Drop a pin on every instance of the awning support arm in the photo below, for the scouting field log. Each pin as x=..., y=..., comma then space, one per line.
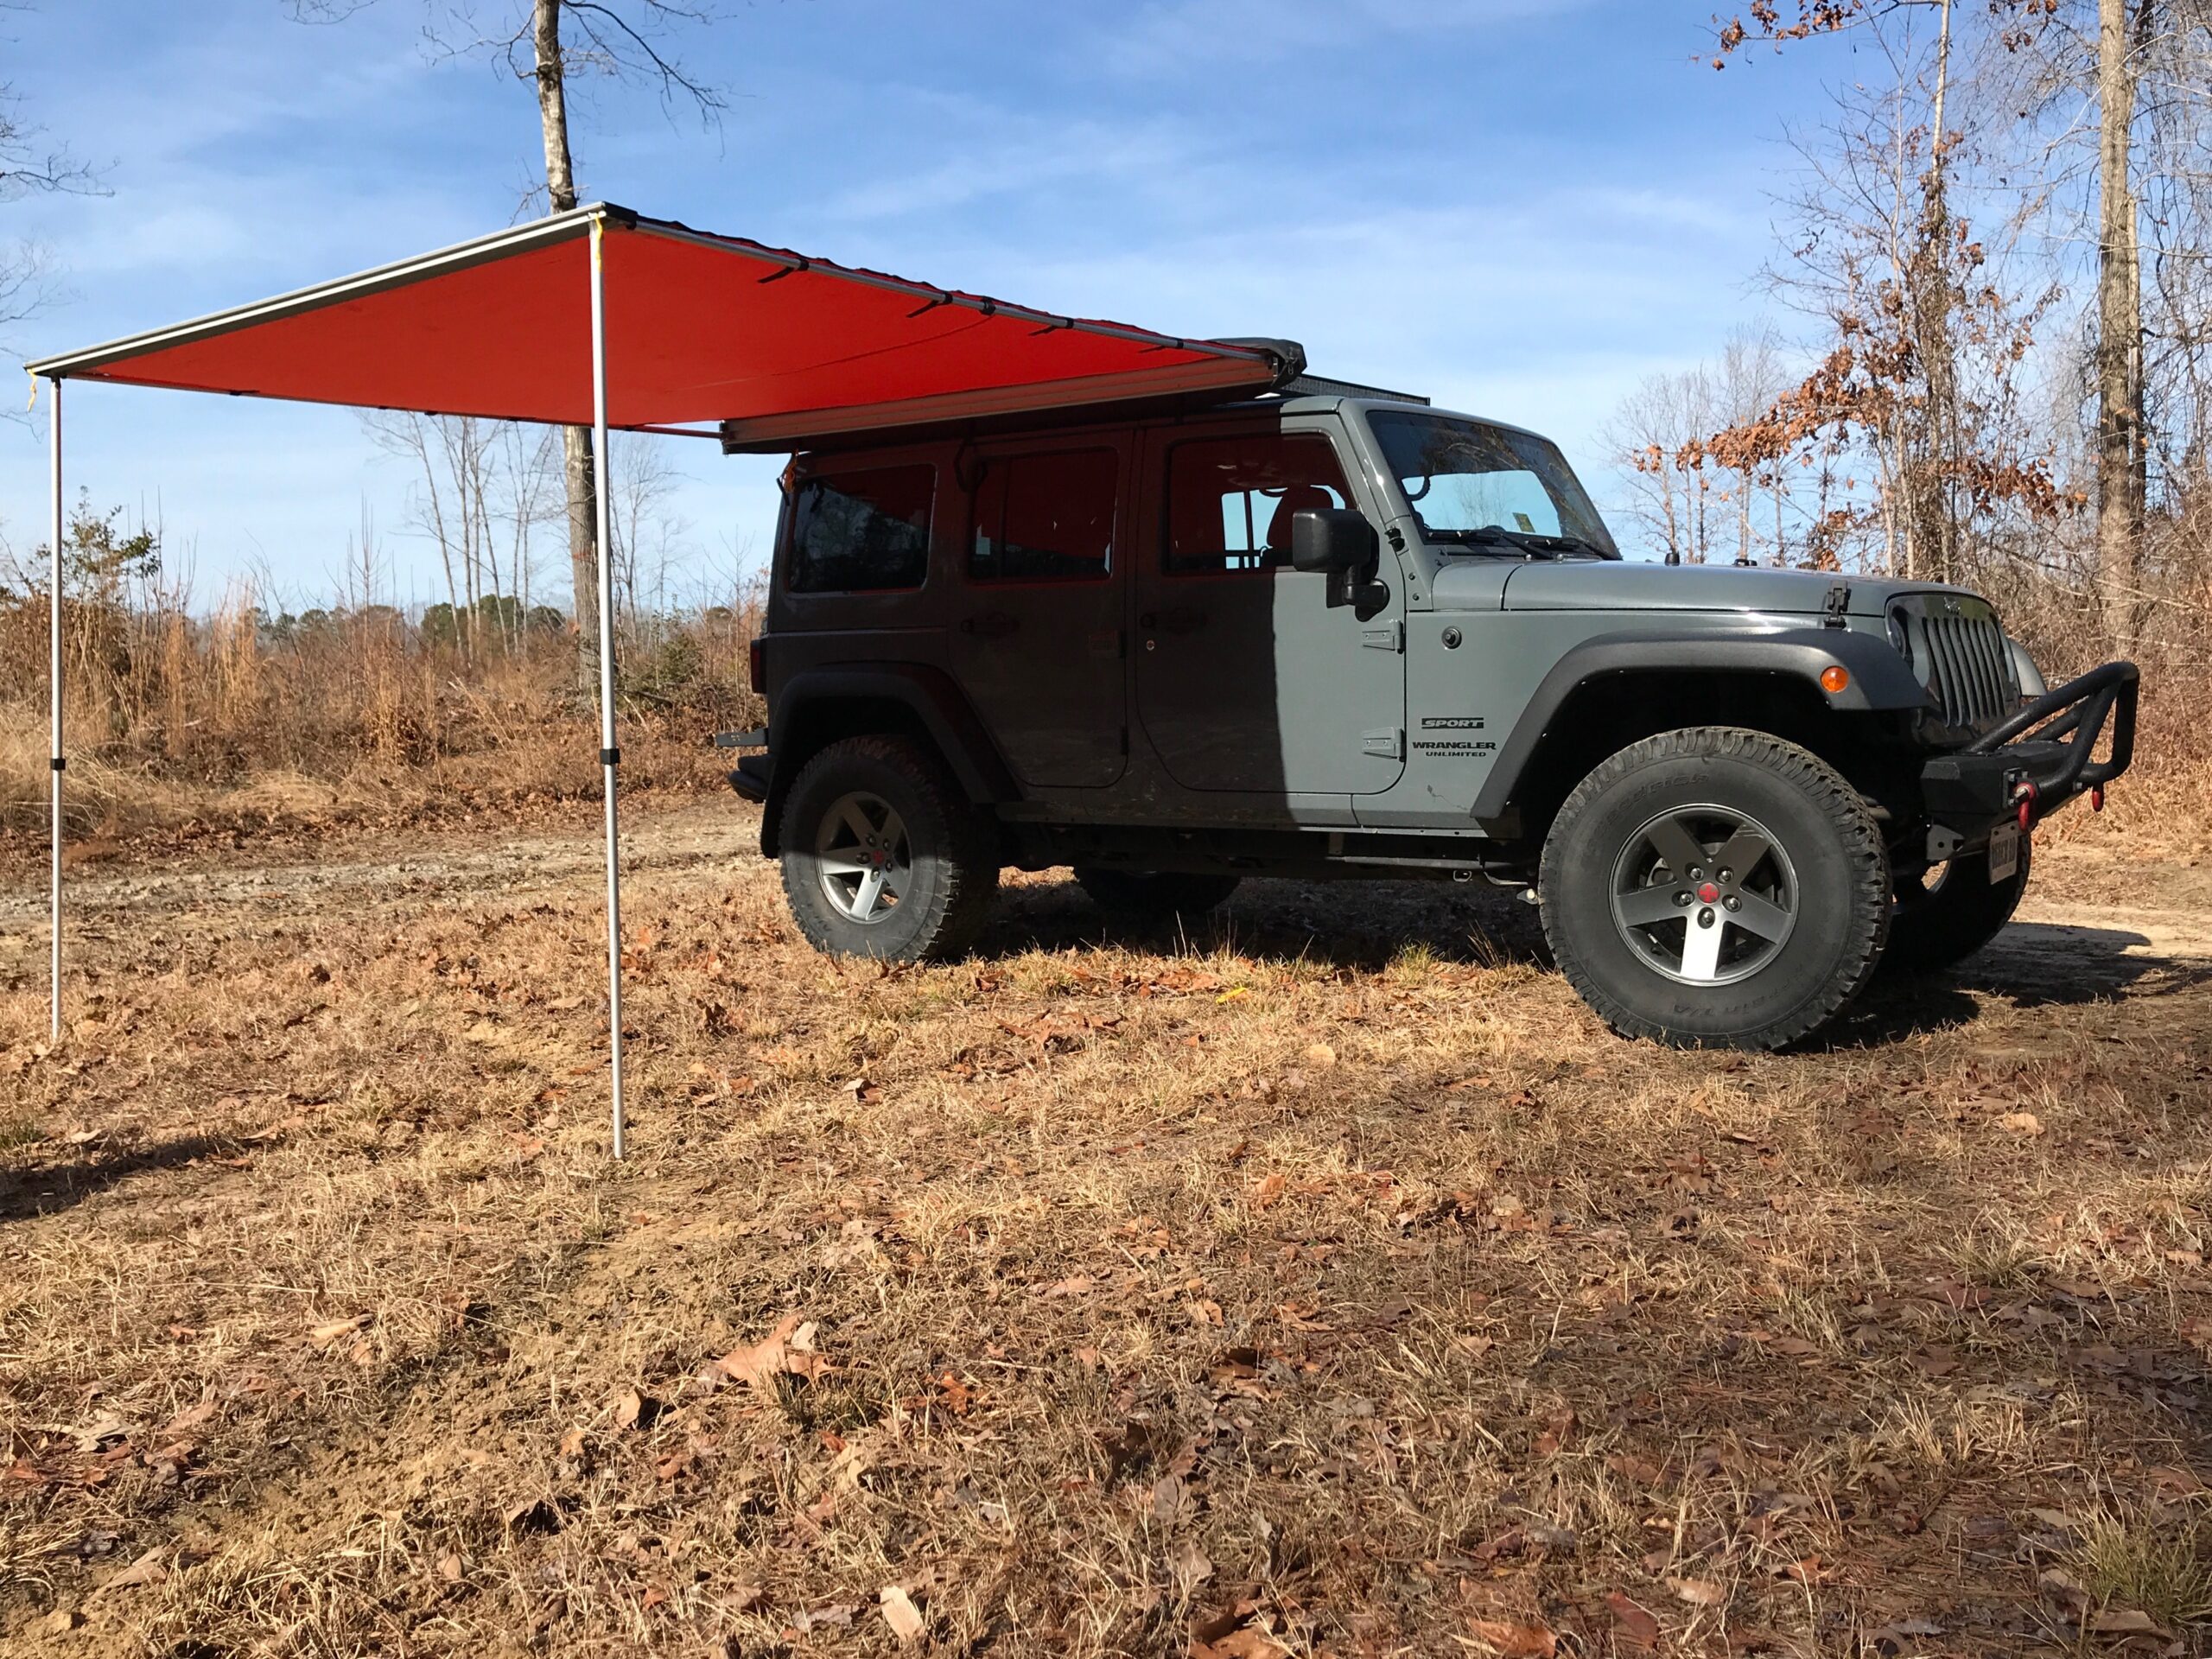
x=55, y=759
x=608, y=754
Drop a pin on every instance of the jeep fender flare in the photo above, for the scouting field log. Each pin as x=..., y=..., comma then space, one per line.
x=1880, y=679
x=804, y=716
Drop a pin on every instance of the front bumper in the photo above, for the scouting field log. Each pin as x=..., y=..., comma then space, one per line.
x=2034, y=763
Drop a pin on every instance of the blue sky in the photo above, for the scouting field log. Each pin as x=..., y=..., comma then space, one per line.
x=1519, y=206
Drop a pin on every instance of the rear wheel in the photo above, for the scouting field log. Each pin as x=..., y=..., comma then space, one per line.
x=1716, y=887
x=1947, y=915
x=883, y=857
x=1154, y=897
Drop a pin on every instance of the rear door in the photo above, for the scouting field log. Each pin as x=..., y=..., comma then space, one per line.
x=1247, y=680
x=1037, y=632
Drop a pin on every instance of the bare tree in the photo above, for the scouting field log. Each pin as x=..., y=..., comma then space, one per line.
x=480, y=486
x=548, y=43
x=30, y=165
x=2121, y=449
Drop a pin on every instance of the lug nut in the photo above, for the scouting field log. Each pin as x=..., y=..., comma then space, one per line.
x=1733, y=902
x=1705, y=917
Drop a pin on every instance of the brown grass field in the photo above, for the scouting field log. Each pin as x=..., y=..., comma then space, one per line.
x=1328, y=1282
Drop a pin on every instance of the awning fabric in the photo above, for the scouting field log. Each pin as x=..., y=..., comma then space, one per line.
x=699, y=328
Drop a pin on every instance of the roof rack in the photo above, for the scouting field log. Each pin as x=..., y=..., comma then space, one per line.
x=1320, y=385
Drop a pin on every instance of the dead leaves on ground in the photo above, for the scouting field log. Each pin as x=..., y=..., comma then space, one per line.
x=788, y=1349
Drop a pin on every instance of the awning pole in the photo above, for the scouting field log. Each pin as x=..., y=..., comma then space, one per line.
x=53, y=688
x=608, y=754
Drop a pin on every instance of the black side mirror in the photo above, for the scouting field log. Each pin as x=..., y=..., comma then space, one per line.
x=1330, y=539
x=1339, y=542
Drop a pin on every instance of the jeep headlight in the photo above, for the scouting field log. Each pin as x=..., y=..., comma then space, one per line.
x=1897, y=635
x=2032, y=684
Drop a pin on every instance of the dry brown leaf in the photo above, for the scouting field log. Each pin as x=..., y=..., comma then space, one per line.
x=1190, y=1564
x=323, y=1335
x=2025, y=1123
x=1514, y=1641
x=900, y=1613
x=1320, y=1056
x=788, y=1348
x=2125, y=1621
x=1248, y=1643
x=147, y=1569
x=1699, y=1592
x=1633, y=1624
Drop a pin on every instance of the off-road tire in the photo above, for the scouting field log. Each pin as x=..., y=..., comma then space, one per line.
x=1933, y=928
x=1841, y=881
x=954, y=867
x=1154, y=897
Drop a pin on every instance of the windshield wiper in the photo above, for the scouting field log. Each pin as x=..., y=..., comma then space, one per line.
x=1573, y=544
x=1487, y=535
x=1549, y=547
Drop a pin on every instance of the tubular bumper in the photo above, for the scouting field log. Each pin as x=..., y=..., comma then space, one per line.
x=2038, y=760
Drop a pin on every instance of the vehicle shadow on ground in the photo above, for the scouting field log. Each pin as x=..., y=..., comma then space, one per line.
x=44, y=1189
x=1352, y=925
x=1361, y=927
x=2031, y=965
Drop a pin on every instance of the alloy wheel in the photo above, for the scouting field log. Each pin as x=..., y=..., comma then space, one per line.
x=861, y=857
x=1705, y=894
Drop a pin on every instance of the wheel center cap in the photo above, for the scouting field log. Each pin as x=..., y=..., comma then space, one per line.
x=1708, y=893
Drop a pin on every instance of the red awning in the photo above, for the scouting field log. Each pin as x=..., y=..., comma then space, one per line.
x=699, y=327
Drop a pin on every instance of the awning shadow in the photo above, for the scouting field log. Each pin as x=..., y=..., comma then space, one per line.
x=45, y=1190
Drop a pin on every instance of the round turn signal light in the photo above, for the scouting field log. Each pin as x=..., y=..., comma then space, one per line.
x=1834, y=677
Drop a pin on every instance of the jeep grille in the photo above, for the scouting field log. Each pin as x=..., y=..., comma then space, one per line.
x=1960, y=656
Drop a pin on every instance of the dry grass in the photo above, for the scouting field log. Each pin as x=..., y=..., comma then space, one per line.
x=182, y=726
x=1325, y=1283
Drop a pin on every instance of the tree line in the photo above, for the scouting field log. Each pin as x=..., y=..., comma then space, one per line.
x=1999, y=251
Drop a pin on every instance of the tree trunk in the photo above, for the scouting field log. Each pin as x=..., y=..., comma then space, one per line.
x=577, y=475
x=2119, y=330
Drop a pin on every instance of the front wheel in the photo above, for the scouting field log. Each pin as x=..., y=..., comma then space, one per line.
x=1716, y=887
x=882, y=855
x=1947, y=915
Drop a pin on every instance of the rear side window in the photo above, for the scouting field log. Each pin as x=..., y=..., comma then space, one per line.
x=1044, y=517
x=859, y=531
x=1229, y=501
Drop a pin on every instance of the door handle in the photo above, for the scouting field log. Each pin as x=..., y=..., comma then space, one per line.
x=990, y=624
x=1179, y=619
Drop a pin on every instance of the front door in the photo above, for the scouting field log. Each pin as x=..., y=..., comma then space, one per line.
x=1037, y=633
x=1247, y=680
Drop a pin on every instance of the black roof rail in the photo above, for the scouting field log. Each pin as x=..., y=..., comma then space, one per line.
x=1320, y=385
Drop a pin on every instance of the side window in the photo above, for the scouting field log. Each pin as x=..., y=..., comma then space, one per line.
x=858, y=532
x=1044, y=517
x=1229, y=501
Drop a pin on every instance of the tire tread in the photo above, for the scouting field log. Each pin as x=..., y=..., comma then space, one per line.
x=959, y=906
x=1822, y=785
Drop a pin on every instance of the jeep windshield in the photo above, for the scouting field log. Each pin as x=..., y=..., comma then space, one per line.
x=1483, y=486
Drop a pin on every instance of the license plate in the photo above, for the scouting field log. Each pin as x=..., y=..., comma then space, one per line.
x=2003, y=853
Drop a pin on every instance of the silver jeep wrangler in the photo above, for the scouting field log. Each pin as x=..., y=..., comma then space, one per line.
x=1332, y=632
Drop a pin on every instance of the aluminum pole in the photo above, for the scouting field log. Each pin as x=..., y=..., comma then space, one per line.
x=608, y=754
x=54, y=689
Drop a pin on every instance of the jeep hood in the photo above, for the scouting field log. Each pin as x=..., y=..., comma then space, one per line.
x=1591, y=585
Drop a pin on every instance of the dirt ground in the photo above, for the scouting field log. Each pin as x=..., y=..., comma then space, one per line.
x=1325, y=1282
